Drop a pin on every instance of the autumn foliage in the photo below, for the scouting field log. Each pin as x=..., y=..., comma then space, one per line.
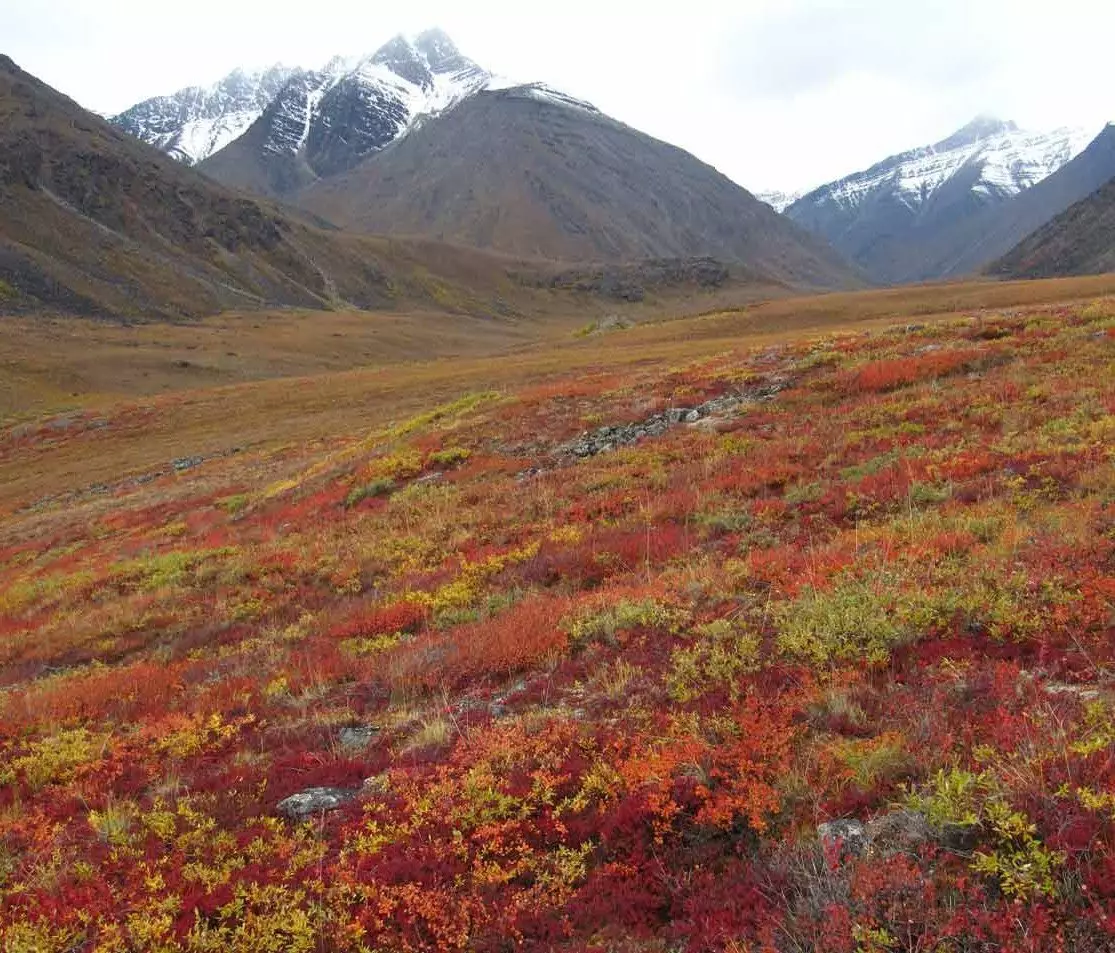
x=593, y=704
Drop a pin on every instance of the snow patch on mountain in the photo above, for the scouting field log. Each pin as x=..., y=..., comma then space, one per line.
x=193, y=123
x=779, y=201
x=1005, y=159
x=352, y=105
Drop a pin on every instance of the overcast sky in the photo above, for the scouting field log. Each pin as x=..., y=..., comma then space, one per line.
x=777, y=94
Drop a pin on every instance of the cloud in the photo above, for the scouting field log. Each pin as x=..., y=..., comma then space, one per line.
x=801, y=48
x=775, y=93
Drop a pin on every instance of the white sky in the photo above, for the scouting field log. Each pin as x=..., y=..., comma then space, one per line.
x=775, y=93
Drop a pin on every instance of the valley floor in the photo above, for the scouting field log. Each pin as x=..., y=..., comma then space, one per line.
x=576, y=647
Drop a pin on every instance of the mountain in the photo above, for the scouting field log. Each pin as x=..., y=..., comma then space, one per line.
x=94, y=222
x=192, y=124
x=904, y=219
x=528, y=171
x=779, y=201
x=1079, y=241
x=325, y=122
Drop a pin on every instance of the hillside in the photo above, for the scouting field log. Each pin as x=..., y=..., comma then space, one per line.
x=529, y=172
x=946, y=210
x=724, y=637
x=1080, y=241
x=93, y=222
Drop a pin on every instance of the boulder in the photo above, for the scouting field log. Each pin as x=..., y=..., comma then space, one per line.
x=845, y=837
x=314, y=801
x=897, y=833
x=358, y=737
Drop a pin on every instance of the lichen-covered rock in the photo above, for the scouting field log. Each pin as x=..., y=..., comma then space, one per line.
x=358, y=737
x=847, y=836
x=314, y=801
x=898, y=832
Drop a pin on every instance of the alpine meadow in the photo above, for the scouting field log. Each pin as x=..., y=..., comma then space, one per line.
x=439, y=517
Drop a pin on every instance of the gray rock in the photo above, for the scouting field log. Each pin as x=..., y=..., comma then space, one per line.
x=898, y=832
x=182, y=464
x=314, y=801
x=358, y=737
x=848, y=835
x=958, y=838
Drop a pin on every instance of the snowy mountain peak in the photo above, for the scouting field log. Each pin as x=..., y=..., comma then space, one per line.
x=779, y=201
x=996, y=158
x=368, y=100
x=197, y=121
x=981, y=128
x=440, y=51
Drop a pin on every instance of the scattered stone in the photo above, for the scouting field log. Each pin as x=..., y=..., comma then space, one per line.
x=313, y=801
x=1084, y=692
x=182, y=464
x=358, y=737
x=377, y=784
x=848, y=836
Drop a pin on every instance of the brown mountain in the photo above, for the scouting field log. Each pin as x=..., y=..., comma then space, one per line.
x=530, y=172
x=1079, y=241
x=94, y=222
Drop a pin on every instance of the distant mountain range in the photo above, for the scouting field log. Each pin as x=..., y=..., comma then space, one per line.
x=948, y=209
x=276, y=131
x=418, y=140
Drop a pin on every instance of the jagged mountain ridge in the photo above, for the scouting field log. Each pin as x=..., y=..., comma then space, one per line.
x=193, y=123
x=303, y=124
x=896, y=218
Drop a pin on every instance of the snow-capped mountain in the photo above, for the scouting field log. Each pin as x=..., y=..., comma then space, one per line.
x=1009, y=160
x=894, y=219
x=193, y=123
x=327, y=121
x=337, y=114
x=779, y=201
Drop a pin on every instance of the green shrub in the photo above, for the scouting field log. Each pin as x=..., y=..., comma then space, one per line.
x=723, y=654
x=849, y=623
x=449, y=457
x=604, y=626
x=384, y=486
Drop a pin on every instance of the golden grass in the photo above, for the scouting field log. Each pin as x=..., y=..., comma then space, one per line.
x=200, y=410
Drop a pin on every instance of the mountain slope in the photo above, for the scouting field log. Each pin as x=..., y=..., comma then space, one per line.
x=94, y=222
x=1079, y=241
x=325, y=122
x=907, y=218
x=530, y=172
x=193, y=123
